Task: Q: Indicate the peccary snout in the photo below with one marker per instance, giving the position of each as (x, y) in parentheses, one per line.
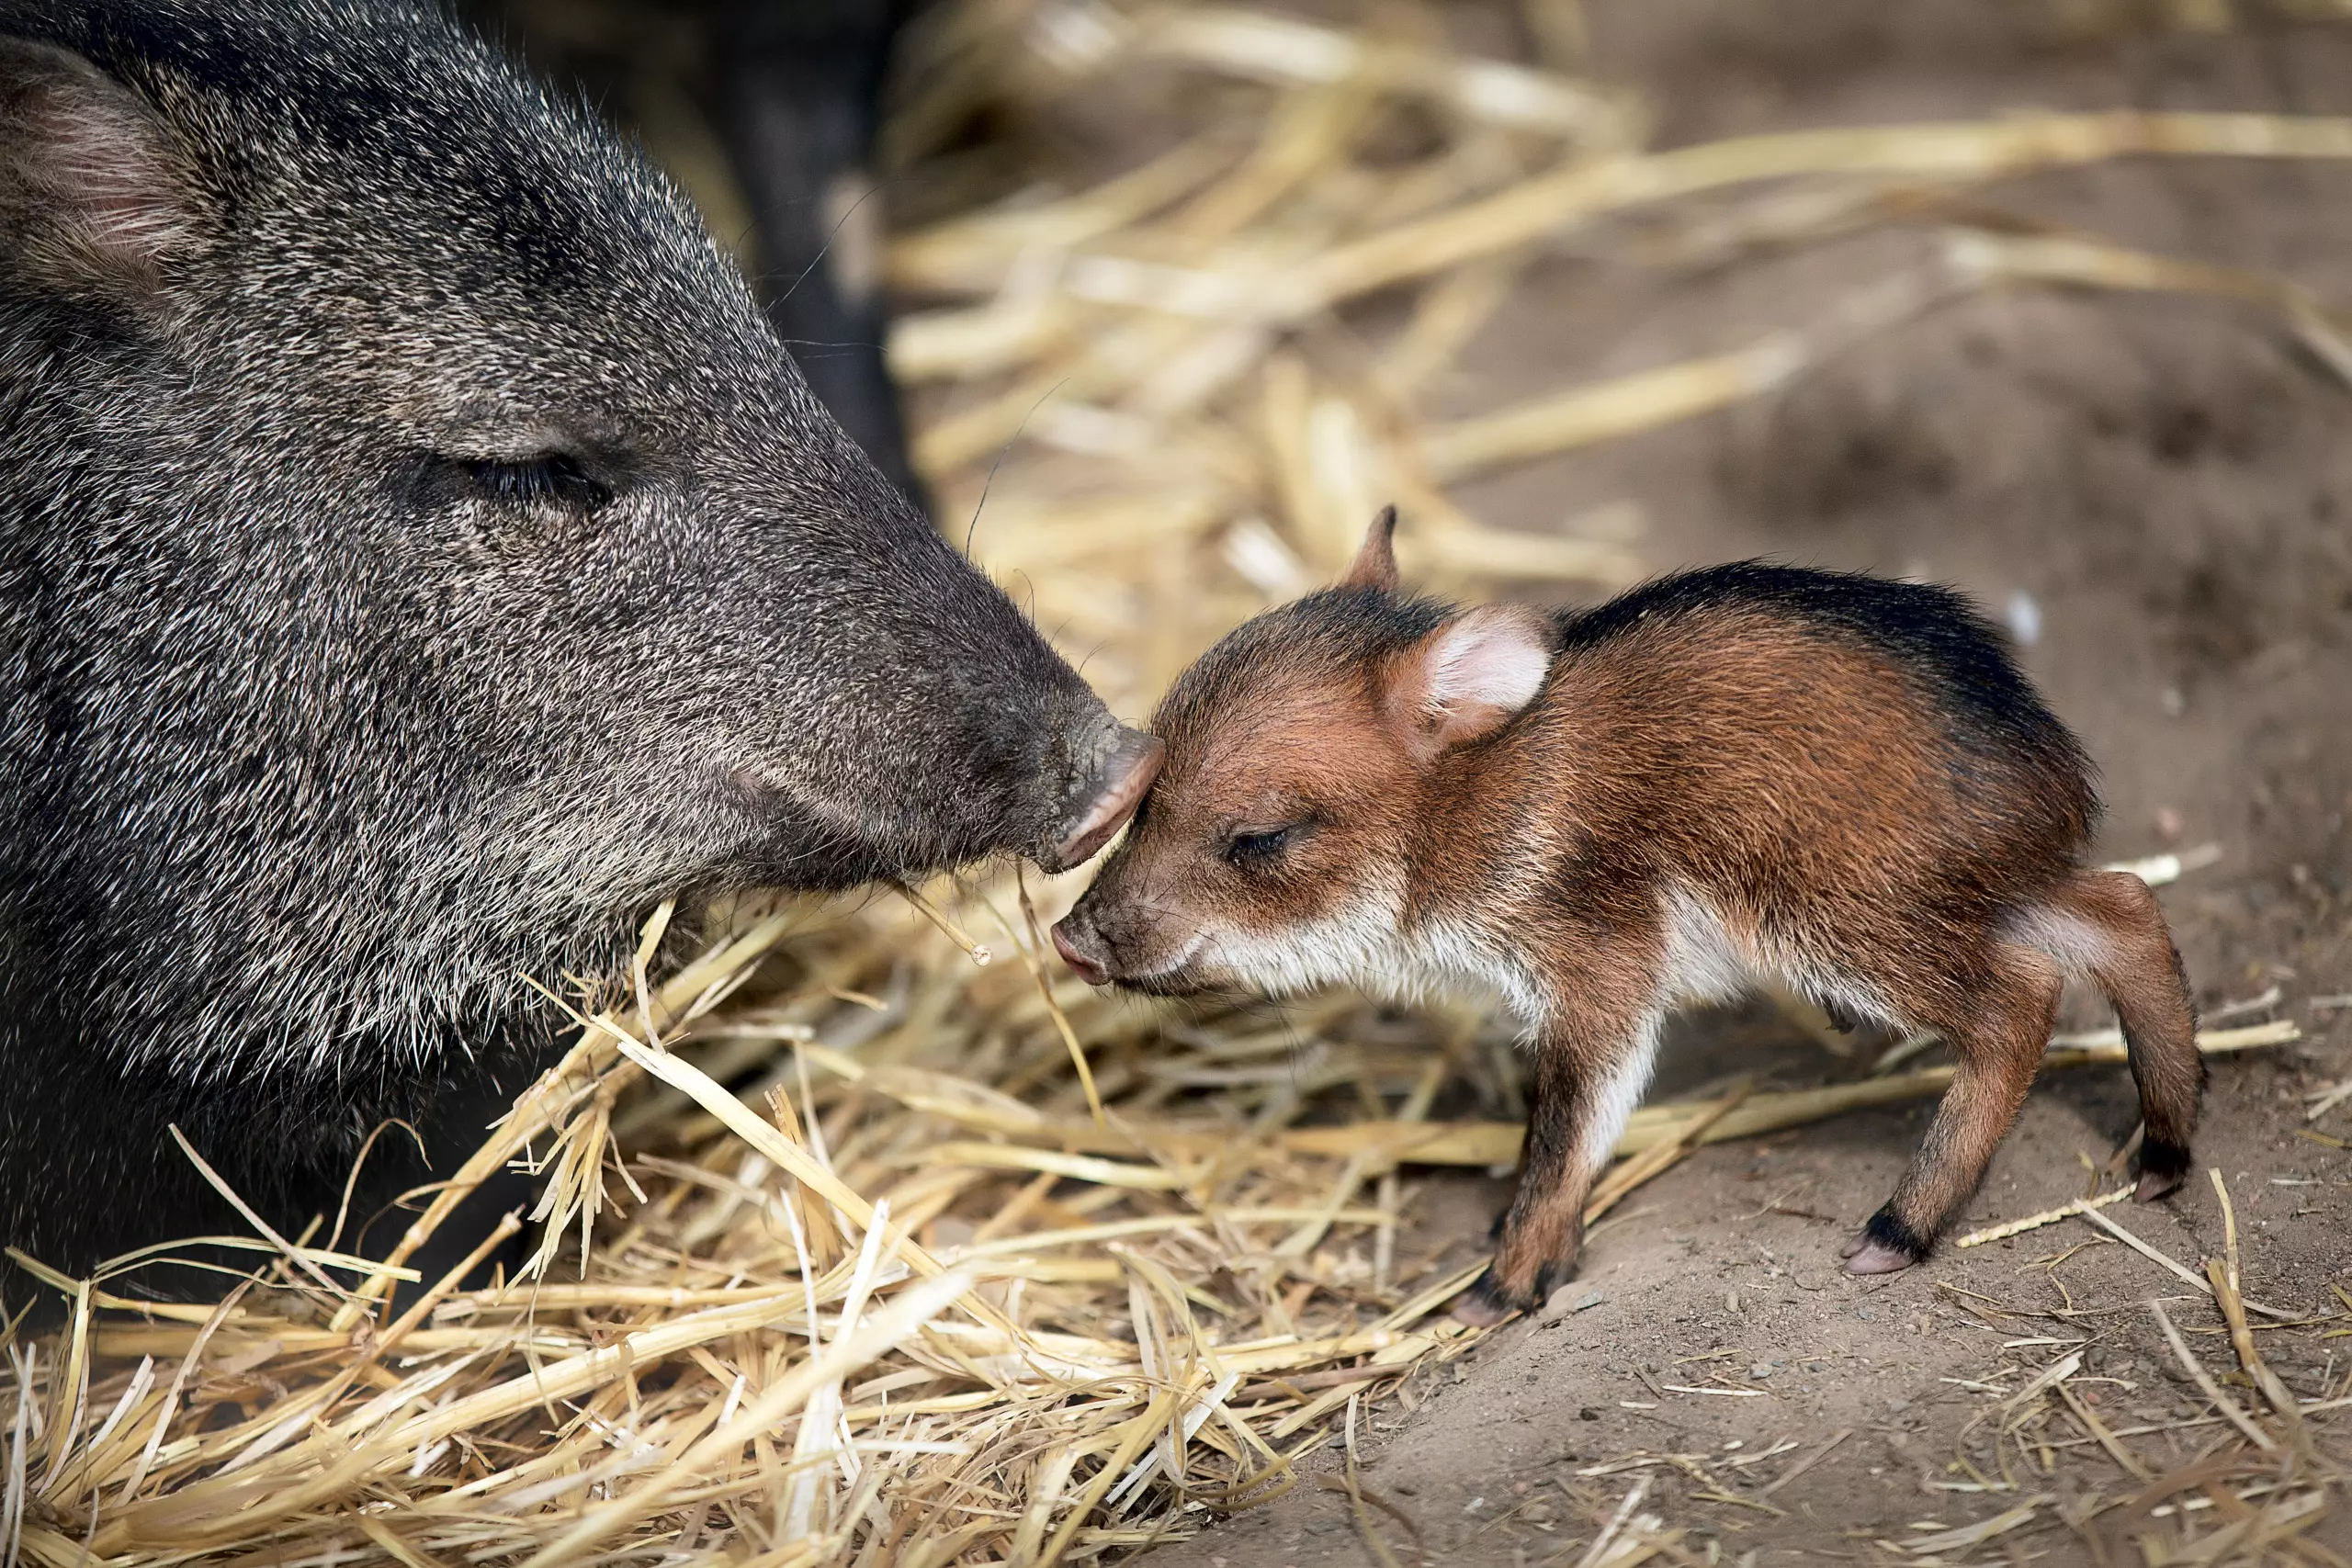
(1112, 766)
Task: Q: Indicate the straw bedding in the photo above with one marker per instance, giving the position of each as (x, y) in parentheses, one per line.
(873, 1237)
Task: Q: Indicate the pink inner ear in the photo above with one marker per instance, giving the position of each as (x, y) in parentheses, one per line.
(1481, 670)
(88, 178)
(111, 185)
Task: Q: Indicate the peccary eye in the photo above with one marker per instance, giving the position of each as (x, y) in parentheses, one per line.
(1247, 851)
(552, 476)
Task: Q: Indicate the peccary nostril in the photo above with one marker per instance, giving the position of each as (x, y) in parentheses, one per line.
(1087, 969)
(1116, 787)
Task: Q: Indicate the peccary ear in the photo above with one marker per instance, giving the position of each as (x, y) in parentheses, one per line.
(93, 199)
(1471, 676)
(1375, 563)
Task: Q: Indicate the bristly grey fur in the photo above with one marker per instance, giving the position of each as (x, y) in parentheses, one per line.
(312, 743)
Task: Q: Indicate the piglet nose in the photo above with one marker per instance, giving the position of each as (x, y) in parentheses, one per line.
(1087, 969)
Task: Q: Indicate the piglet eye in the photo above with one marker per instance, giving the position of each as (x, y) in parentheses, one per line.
(1249, 849)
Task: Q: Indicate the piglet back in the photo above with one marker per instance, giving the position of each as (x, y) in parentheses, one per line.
(1959, 665)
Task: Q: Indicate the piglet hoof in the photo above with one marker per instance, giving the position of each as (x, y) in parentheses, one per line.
(1866, 1257)
(1885, 1246)
(1484, 1303)
(2162, 1167)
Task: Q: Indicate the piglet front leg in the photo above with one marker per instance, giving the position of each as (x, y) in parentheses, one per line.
(1591, 1062)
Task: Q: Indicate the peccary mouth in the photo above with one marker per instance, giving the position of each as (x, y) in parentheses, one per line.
(1126, 762)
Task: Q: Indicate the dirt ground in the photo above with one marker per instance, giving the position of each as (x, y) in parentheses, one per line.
(2162, 485)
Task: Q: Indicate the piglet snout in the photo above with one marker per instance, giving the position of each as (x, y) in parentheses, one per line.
(1073, 937)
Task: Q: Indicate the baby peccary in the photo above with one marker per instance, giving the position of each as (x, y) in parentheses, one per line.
(1837, 782)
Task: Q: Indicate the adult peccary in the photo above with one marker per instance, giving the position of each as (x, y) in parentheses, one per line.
(418, 559)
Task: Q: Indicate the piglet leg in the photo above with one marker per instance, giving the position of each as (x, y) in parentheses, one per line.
(1591, 1063)
(1999, 1042)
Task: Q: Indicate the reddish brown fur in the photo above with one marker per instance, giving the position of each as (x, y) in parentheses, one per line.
(1834, 781)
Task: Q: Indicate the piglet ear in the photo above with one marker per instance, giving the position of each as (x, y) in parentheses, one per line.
(1375, 563)
(93, 197)
(1473, 675)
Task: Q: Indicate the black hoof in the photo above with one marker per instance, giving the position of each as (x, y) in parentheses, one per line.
(1487, 1302)
(2162, 1167)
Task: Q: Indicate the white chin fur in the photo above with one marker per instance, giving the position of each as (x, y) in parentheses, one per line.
(1191, 949)
(1363, 944)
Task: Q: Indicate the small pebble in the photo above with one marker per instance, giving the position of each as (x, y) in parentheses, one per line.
(1562, 1304)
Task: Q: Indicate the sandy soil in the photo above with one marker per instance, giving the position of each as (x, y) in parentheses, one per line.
(2165, 484)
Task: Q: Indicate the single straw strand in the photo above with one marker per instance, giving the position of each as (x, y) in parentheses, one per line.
(946, 924)
(2204, 1381)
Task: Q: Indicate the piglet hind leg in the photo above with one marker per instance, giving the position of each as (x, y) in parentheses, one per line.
(1589, 1071)
(2012, 1008)
(2120, 942)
